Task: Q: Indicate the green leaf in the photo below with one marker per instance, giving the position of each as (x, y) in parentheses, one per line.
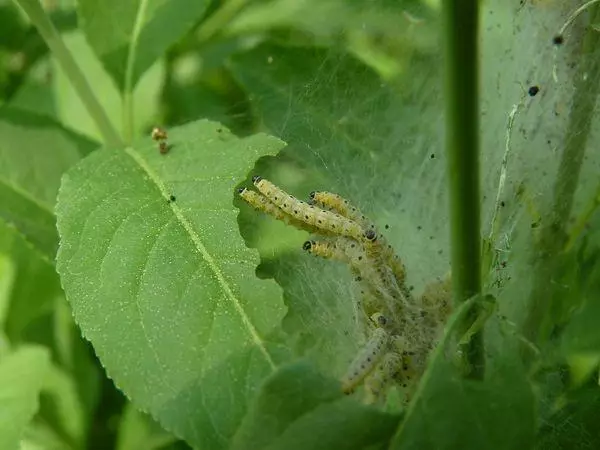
(130, 36)
(449, 411)
(34, 153)
(73, 113)
(161, 282)
(574, 424)
(7, 277)
(37, 312)
(581, 302)
(33, 290)
(21, 378)
(137, 431)
(298, 408)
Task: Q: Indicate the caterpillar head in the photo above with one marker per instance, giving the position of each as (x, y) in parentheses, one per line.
(256, 179)
(308, 245)
(370, 235)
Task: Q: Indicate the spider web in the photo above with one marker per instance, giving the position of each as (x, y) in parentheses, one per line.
(377, 140)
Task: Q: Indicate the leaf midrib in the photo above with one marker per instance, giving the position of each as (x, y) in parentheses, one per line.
(197, 242)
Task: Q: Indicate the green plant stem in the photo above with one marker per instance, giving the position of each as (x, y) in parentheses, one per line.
(129, 85)
(553, 235)
(461, 29)
(217, 21)
(42, 22)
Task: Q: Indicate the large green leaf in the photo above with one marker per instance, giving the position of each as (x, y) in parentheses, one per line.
(298, 408)
(161, 282)
(34, 153)
(21, 379)
(130, 36)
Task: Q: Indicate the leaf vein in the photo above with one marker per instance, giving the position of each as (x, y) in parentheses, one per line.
(197, 242)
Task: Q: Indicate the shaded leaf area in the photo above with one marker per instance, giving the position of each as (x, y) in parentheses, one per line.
(34, 153)
(574, 423)
(343, 127)
(19, 39)
(449, 411)
(141, 31)
(581, 303)
(384, 35)
(21, 379)
(137, 431)
(298, 408)
(161, 282)
(36, 312)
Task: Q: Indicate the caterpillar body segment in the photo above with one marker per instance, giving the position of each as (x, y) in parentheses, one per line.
(338, 204)
(363, 302)
(381, 378)
(372, 295)
(366, 360)
(264, 205)
(375, 283)
(323, 220)
(326, 250)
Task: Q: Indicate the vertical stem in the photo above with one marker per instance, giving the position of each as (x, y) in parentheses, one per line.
(217, 21)
(553, 237)
(461, 30)
(42, 22)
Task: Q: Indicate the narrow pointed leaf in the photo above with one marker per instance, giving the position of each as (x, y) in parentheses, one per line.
(140, 32)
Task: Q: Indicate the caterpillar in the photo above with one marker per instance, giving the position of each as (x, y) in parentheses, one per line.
(378, 289)
(263, 204)
(377, 245)
(335, 202)
(326, 250)
(378, 381)
(366, 360)
(316, 217)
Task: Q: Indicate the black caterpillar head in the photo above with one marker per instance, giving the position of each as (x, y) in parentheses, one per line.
(308, 245)
(370, 235)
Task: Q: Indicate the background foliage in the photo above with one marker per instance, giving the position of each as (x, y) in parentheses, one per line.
(142, 306)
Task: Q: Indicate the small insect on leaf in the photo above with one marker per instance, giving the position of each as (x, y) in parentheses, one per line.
(163, 147)
(158, 134)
